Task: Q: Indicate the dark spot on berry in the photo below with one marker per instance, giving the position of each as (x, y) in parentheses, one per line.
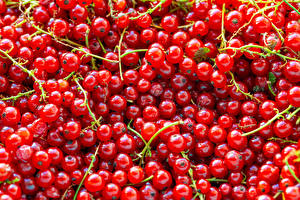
(66, 132)
(263, 190)
(75, 18)
(66, 2)
(235, 21)
(152, 194)
(38, 48)
(73, 179)
(64, 62)
(182, 198)
(83, 2)
(81, 134)
(39, 163)
(182, 164)
(102, 30)
(113, 198)
(69, 142)
(3, 115)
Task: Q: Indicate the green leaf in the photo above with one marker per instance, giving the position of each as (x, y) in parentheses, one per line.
(272, 78)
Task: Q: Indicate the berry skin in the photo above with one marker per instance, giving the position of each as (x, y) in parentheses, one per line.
(94, 183)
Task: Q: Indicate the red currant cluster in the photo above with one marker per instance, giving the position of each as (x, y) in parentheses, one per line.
(150, 99)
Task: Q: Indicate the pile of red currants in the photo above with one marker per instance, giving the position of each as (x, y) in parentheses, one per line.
(150, 99)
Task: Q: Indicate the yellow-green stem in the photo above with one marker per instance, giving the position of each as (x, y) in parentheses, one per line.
(268, 122)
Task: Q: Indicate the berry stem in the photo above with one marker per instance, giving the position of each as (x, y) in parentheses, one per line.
(86, 173)
(143, 181)
(238, 88)
(191, 174)
(282, 140)
(18, 96)
(290, 5)
(289, 167)
(149, 11)
(75, 44)
(135, 132)
(119, 53)
(147, 147)
(133, 51)
(293, 114)
(268, 122)
(222, 35)
(217, 180)
(101, 45)
(244, 48)
(29, 72)
(69, 76)
(273, 25)
(86, 102)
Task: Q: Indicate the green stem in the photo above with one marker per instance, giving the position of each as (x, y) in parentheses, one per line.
(149, 11)
(29, 72)
(271, 89)
(135, 132)
(187, 25)
(143, 181)
(268, 122)
(282, 140)
(244, 48)
(238, 88)
(133, 51)
(86, 102)
(119, 53)
(87, 38)
(293, 114)
(75, 44)
(147, 147)
(18, 96)
(69, 76)
(101, 45)
(277, 194)
(191, 174)
(86, 173)
(291, 171)
(290, 5)
(223, 39)
(217, 180)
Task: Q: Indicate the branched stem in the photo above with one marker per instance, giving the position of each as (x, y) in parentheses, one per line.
(86, 173)
(29, 72)
(239, 90)
(74, 48)
(245, 48)
(135, 132)
(149, 11)
(147, 147)
(191, 174)
(268, 122)
(18, 96)
(86, 102)
(293, 114)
